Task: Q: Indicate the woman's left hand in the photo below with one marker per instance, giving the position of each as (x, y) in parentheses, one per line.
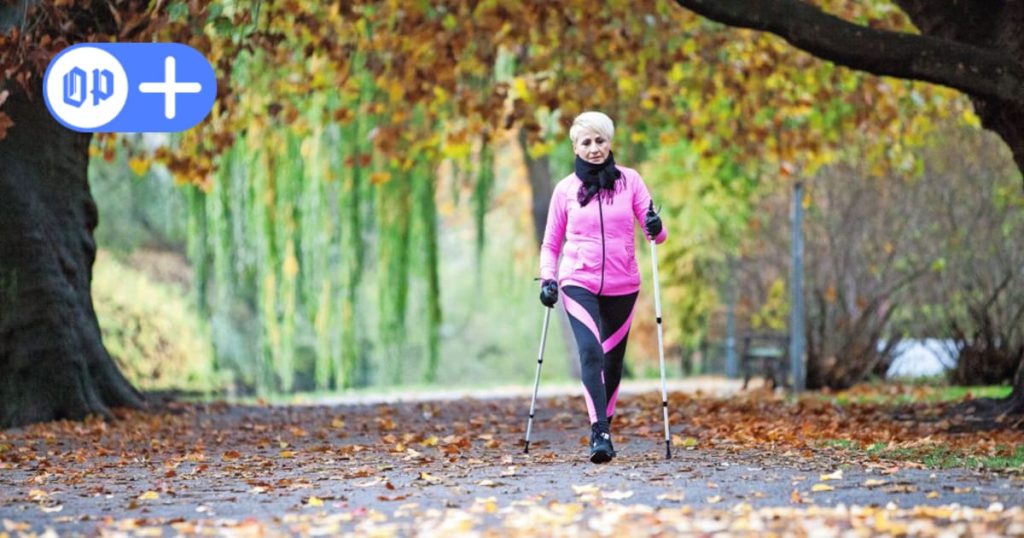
(652, 222)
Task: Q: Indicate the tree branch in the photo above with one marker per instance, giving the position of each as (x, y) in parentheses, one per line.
(974, 70)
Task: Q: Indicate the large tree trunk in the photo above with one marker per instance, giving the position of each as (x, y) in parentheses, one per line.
(541, 187)
(52, 361)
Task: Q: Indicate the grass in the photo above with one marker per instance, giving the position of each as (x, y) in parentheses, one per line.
(888, 394)
(939, 457)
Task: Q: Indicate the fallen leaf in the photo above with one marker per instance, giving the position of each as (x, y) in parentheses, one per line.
(822, 487)
(149, 496)
(429, 478)
(874, 482)
(933, 495)
(675, 496)
(714, 499)
(838, 475)
(582, 490)
(487, 483)
(314, 501)
(617, 495)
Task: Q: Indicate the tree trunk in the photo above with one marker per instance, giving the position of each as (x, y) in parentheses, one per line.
(52, 361)
(541, 187)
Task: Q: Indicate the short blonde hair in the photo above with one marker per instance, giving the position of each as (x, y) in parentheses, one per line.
(599, 122)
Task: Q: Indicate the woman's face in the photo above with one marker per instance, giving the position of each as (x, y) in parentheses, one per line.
(592, 147)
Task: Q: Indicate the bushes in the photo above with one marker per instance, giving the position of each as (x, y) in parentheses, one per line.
(150, 329)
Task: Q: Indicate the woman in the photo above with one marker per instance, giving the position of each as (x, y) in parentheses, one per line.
(593, 211)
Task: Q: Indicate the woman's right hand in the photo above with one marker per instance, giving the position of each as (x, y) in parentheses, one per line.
(549, 293)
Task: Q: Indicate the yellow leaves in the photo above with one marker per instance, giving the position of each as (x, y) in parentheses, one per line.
(380, 177)
(287, 454)
(521, 90)
(628, 86)
(821, 487)
(338, 423)
(687, 442)
(149, 496)
(540, 148)
(970, 118)
(675, 75)
(139, 165)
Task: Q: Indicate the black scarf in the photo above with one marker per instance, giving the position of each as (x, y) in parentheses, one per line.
(595, 177)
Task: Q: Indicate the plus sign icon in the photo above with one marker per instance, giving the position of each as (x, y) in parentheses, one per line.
(129, 87)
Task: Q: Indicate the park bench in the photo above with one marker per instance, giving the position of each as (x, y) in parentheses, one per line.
(768, 353)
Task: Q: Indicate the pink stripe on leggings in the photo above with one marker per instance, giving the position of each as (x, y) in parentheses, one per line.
(619, 334)
(611, 403)
(577, 311)
(591, 410)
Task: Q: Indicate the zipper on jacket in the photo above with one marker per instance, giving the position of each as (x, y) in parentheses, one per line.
(600, 213)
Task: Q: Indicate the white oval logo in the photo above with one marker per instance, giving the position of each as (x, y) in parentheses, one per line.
(86, 87)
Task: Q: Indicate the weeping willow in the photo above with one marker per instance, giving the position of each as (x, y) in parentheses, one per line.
(311, 247)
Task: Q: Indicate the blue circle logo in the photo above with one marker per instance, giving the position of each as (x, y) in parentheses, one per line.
(129, 87)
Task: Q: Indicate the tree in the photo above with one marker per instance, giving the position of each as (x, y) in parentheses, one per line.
(973, 46)
(53, 361)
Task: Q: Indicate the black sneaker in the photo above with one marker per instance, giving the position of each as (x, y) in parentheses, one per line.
(601, 450)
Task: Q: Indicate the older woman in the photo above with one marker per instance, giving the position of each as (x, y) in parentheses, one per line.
(593, 210)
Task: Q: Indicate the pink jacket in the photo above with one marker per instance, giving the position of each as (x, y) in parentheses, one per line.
(599, 251)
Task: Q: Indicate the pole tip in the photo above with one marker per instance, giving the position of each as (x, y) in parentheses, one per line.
(668, 451)
(527, 449)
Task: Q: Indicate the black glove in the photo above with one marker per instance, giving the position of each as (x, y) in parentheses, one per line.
(652, 222)
(549, 293)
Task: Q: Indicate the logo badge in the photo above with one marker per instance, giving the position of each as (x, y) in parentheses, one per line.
(129, 87)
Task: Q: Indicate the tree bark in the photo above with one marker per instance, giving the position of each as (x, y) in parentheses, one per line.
(52, 361)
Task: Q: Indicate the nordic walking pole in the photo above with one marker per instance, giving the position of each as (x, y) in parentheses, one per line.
(661, 341)
(536, 381)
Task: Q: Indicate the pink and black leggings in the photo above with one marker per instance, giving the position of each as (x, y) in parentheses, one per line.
(601, 326)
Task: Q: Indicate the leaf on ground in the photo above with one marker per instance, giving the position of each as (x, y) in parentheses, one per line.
(617, 495)
(837, 475)
(427, 477)
(149, 496)
(795, 498)
(585, 489)
(822, 487)
(874, 483)
(314, 501)
(714, 499)
(673, 496)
